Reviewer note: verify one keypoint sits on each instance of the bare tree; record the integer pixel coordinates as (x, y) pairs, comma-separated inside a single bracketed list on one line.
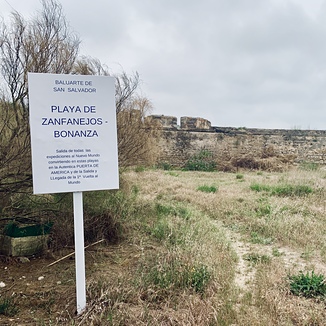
[(15, 165), (43, 44), (86, 65), (126, 86), (136, 135), (46, 44), (125, 89)]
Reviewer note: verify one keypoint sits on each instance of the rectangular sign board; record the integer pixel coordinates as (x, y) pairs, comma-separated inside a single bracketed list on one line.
[(73, 133)]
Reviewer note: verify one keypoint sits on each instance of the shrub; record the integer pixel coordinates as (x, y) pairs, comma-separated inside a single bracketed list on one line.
[(165, 166), (105, 215), (203, 161)]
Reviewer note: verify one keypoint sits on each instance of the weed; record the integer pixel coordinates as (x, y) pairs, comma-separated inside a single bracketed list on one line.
[(104, 215), (308, 285), (259, 187), (161, 230), (173, 174), (255, 258), (139, 168), (239, 176), (200, 276), (183, 212), (256, 238), (289, 190), (206, 188), (165, 166), (166, 209), (264, 208), (8, 307), (306, 254), (135, 190), (277, 253)]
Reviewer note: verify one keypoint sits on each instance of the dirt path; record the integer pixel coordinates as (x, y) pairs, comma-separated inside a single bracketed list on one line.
[(294, 261)]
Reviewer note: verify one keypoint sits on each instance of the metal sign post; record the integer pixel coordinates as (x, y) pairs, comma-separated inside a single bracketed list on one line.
[(79, 251), (74, 145)]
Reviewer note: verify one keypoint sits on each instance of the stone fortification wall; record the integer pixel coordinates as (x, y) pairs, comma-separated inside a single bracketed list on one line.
[(179, 143)]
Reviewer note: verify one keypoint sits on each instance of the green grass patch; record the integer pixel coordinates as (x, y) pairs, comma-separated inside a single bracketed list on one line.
[(174, 210), (161, 230), (170, 224), (260, 187), (263, 208), (206, 188), (8, 307), (140, 168), (283, 190)]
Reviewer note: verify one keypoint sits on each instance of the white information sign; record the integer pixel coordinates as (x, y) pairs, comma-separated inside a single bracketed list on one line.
[(73, 133)]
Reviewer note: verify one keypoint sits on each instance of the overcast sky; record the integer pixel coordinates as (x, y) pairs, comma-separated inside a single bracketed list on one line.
[(237, 63)]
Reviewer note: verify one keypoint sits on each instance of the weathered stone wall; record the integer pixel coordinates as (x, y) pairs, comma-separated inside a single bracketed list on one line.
[(178, 143), (164, 121)]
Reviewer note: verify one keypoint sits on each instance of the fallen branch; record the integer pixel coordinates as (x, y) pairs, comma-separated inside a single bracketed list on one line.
[(71, 254)]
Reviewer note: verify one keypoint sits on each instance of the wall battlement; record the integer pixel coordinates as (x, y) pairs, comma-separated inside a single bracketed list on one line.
[(179, 142)]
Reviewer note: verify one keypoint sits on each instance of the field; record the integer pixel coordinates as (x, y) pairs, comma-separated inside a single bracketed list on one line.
[(199, 248)]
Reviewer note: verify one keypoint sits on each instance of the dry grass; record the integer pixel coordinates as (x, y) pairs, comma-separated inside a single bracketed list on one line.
[(296, 221), (293, 224), (155, 289), (187, 256)]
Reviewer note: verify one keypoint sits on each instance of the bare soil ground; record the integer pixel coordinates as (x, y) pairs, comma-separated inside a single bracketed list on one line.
[(46, 295), (37, 291)]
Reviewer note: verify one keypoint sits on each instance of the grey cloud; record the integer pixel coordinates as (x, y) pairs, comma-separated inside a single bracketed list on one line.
[(237, 63)]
